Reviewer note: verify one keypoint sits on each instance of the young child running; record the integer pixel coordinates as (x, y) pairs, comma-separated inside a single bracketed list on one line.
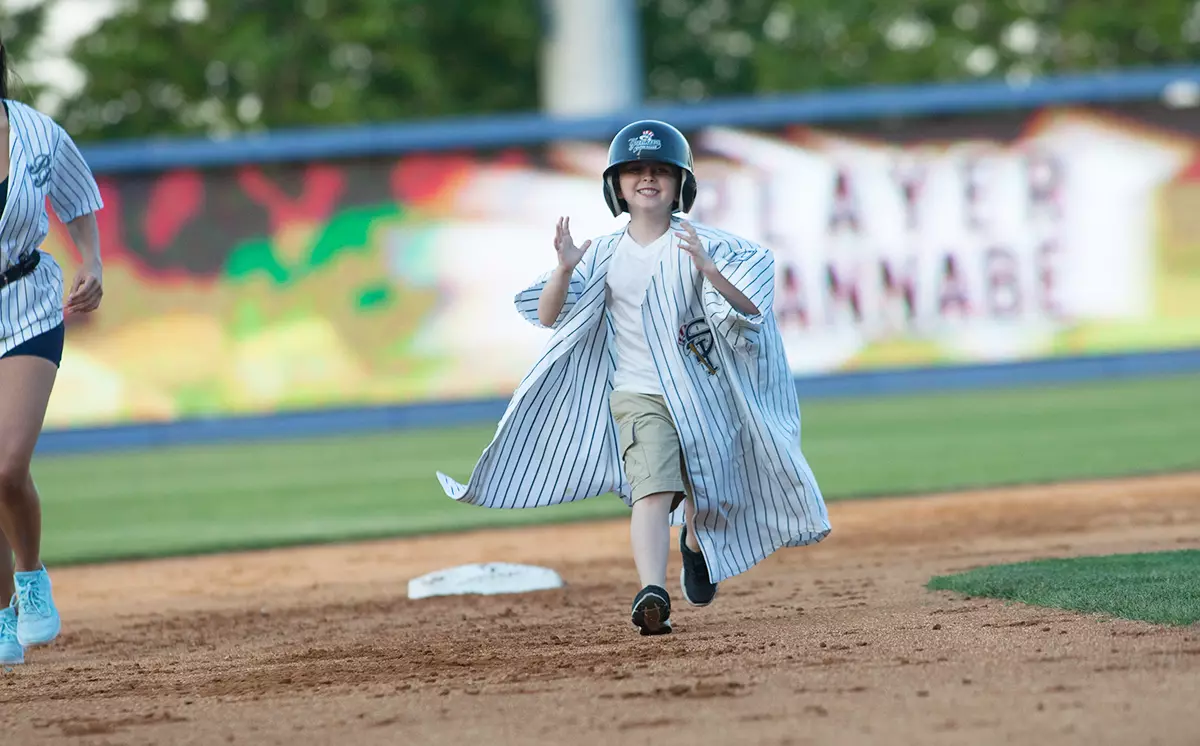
[(665, 381)]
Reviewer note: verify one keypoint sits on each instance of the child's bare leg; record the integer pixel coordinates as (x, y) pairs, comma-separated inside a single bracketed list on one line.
[(650, 535), (698, 588), (689, 518)]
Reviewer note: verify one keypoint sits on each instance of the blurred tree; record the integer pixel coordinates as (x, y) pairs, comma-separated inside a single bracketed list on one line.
[(220, 66), (698, 48), (161, 67), (20, 29)]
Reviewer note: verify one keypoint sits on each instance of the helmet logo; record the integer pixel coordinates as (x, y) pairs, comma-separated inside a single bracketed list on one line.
[(644, 141)]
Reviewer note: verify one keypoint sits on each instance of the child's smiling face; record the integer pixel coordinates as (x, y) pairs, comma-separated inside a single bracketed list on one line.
[(649, 187)]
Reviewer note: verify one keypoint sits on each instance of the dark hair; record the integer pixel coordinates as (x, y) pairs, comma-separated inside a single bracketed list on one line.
[(3, 71)]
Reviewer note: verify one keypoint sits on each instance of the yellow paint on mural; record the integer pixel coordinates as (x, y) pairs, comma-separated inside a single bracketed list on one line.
[(1177, 265), (304, 360), (897, 353)]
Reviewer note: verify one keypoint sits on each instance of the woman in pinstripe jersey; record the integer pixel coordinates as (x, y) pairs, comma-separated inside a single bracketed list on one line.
[(40, 162)]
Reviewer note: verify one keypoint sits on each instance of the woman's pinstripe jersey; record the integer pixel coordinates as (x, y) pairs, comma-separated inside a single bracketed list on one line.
[(43, 162), (726, 382)]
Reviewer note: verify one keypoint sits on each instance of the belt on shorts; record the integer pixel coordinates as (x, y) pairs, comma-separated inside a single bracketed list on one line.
[(24, 266)]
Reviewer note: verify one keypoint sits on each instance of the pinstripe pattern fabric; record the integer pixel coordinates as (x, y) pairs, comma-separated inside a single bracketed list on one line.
[(739, 426), (44, 163)]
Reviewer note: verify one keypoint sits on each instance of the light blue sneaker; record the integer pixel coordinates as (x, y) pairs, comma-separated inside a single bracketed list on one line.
[(37, 619), (11, 652)]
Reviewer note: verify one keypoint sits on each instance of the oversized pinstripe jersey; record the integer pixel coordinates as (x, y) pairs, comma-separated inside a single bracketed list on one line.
[(43, 162), (726, 383)]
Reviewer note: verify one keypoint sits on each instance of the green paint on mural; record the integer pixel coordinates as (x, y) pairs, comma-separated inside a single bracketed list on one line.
[(375, 297), (349, 230), (255, 257)]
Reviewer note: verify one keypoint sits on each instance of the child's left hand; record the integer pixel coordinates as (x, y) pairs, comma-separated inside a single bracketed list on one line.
[(690, 242)]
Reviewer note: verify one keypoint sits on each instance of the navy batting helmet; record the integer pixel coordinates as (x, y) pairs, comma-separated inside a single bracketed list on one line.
[(650, 140)]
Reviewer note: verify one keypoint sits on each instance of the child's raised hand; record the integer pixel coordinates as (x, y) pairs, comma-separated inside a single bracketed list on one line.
[(568, 255), (690, 242)]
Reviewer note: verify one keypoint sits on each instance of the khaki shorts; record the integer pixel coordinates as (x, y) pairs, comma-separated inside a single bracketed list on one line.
[(649, 445)]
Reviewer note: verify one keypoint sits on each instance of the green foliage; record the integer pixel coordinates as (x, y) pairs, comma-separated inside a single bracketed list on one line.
[(249, 65), (19, 30), (1159, 587), (696, 48)]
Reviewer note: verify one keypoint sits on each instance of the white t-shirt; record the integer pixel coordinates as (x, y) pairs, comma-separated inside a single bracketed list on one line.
[(628, 278)]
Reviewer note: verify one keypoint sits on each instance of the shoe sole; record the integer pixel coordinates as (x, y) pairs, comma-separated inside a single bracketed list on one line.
[(649, 617), (32, 643), (11, 653)]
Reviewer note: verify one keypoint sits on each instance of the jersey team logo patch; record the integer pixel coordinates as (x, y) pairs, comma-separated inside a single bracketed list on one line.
[(696, 337), (644, 141), (39, 170)]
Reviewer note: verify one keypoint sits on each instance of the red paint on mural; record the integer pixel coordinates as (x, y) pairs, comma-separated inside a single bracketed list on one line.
[(322, 187), (421, 179), (175, 200)]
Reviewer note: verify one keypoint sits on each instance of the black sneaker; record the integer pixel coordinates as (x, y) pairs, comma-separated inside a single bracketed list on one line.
[(698, 590), (652, 611)]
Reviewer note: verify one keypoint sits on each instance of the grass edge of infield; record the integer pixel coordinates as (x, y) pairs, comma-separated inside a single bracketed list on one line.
[(1129, 586)]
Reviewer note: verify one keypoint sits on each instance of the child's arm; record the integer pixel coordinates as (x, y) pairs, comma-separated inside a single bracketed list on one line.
[(554, 295), (535, 301), (690, 242), (545, 301), (739, 286), (736, 298)]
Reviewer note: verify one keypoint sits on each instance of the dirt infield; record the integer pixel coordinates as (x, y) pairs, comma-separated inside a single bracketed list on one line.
[(834, 643)]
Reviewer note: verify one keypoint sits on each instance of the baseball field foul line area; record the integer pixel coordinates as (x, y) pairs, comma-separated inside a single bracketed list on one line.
[(220, 497), (847, 641)]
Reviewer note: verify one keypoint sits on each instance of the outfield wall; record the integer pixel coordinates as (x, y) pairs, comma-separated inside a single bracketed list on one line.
[(340, 421), (317, 273)]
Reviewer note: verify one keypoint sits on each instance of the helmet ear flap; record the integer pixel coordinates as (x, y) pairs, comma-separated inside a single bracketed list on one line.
[(615, 204), (687, 191)]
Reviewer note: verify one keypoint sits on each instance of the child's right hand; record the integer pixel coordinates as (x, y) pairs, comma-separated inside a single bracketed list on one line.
[(568, 255)]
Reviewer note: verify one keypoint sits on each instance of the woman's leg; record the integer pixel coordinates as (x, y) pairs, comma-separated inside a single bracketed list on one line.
[(7, 589), (11, 652), (25, 385)]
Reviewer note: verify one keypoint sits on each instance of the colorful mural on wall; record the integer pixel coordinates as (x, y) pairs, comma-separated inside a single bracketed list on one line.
[(259, 289)]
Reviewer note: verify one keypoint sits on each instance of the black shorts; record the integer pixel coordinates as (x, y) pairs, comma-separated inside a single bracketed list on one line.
[(48, 345)]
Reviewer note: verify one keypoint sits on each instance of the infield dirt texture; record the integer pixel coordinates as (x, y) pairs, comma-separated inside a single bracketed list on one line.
[(837, 643)]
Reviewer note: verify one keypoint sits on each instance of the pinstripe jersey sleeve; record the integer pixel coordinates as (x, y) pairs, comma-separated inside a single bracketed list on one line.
[(751, 269), (526, 301), (73, 191)]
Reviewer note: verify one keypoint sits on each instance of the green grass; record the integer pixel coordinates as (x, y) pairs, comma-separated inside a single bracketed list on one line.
[(1162, 587), (216, 497)]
